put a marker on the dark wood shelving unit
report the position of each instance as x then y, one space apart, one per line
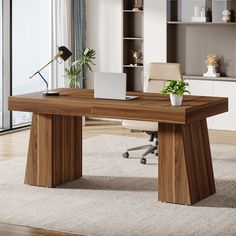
132 41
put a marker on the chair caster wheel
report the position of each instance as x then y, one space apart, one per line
125 155
143 161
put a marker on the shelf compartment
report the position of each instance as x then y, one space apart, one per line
184 10
189 46
128 45
133 26
134 79
128 5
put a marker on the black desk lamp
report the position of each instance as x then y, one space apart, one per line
63 53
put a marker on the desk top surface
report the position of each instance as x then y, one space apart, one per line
149 106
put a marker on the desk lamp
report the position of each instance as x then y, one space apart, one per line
64 53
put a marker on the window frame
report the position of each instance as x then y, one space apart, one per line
7 74
7 64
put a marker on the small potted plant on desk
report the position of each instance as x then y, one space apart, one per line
176 89
76 69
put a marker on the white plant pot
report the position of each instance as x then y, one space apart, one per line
176 100
211 72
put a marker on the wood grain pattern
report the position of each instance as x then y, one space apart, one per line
149 106
185 170
31 166
71 102
19 230
55 150
44 150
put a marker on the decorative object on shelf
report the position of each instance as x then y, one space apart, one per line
226 16
203 12
212 63
176 89
199 15
132 65
137 56
196 11
138 5
223 8
85 61
64 53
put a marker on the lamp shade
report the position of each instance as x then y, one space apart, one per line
66 52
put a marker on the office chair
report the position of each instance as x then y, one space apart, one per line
159 74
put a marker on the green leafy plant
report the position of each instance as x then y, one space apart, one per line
71 73
86 58
175 87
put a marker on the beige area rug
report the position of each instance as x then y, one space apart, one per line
118 196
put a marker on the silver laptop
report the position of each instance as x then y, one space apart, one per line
110 86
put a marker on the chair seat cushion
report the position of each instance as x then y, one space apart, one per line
140 125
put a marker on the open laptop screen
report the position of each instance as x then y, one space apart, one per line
110 85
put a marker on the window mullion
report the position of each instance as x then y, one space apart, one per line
6 69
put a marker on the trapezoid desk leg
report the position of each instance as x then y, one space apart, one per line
55 150
185 173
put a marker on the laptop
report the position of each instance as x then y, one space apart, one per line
111 86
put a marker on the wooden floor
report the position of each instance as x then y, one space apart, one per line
16 230
15 145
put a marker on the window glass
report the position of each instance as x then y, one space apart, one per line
31 49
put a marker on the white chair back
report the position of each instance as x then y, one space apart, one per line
160 73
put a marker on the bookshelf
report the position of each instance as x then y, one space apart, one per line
133 42
188 43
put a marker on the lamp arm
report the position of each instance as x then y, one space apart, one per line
64 53
54 58
37 72
43 79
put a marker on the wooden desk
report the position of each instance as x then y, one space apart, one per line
185 173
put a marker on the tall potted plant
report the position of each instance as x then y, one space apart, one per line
176 89
85 61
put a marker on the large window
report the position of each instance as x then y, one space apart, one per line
31 49
25 45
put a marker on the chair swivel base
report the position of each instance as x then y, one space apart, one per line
151 149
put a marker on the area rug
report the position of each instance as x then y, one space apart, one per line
118 196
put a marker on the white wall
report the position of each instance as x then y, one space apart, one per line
155 34
104 32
